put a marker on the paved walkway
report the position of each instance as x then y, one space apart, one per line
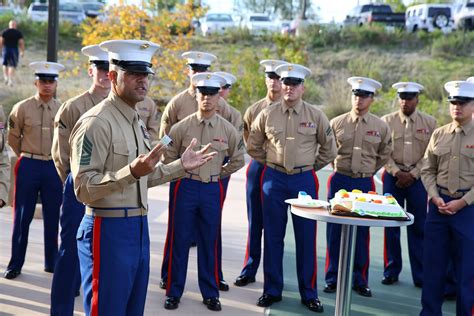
29 293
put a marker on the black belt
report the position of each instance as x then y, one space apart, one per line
456 195
116 212
296 170
355 175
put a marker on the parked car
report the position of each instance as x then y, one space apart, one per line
258 23
38 12
93 9
429 17
216 23
68 11
464 16
374 13
72 12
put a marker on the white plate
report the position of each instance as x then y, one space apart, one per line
307 203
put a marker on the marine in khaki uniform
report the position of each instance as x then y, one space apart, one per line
67 278
253 251
448 176
4 162
184 103
198 198
113 165
30 135
179 107
294 140
411 132
363 147
149 114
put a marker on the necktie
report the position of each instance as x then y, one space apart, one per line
453 166
289 152
46 137
205 170
408 143
142 183
356 161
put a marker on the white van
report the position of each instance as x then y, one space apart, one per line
429 17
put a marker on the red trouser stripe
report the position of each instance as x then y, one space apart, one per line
261 184
247 248
315 271
95 266
170 207
171 220
216 257
15 173
327 244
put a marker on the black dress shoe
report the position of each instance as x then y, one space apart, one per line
162 284
267 300
243 280
171 302
78 293
213 304
362 290
330 288
313 305
223 286
49 270
418 284
389 280
11 274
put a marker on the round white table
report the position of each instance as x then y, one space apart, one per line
347 248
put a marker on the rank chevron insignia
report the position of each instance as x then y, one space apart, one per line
86 151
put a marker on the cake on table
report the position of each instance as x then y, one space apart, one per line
369 205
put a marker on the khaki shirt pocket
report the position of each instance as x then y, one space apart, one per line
443 154
121 155
275 136
32 125
372 139
425 138
220 146
466 164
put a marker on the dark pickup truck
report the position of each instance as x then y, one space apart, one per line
374 13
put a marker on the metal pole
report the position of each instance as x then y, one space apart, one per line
344 275
53 30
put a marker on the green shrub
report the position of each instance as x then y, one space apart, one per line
453 45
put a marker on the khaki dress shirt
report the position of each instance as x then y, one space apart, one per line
224 140
438 154
185 104
376 142
148 111
423 126
314 139
104 142
67 116
252 112
26 131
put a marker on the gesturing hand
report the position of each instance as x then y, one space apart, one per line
194 159
145 164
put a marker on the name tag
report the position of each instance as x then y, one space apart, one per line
470 146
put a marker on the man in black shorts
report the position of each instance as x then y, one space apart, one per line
10 41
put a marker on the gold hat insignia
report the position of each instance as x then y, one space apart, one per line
46 66
273 63
199 55
209 76
360 80
457 84
405 85
144 46
290 68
